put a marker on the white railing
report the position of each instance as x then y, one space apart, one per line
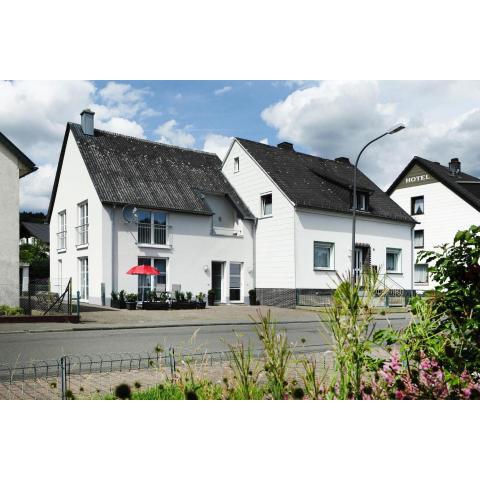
62 240
82 234
154 235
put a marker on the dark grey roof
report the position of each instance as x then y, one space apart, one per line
470 192
38 230
28 164
132 171
314 182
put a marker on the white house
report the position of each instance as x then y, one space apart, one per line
303 235
189 222
442 200
14 165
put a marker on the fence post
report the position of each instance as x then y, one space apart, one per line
64 376
70 296
78 306
171 355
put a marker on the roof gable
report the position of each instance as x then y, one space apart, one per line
28 165
318 183
464 185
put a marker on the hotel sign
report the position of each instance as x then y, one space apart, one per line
416 176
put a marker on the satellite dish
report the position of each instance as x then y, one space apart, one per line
130 214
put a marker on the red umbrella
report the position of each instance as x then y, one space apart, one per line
143 270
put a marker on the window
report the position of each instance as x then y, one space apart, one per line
418 238
152 227
421 273
323 256
362 201
235 281
393 260
417 206
83 271
62 231
147 283
266 201
82 229
236 164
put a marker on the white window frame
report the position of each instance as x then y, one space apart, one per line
423 239
153 278
83 287
82 225
398 252
62 231
263 204
236 164
415 274
152 229
241 282
412 203
331 247
362 205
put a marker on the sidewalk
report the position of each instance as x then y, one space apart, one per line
98 318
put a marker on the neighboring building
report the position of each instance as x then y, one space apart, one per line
442 200
31 232
14 165
303 237
192 225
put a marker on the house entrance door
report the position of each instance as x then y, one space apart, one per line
358 263
217 280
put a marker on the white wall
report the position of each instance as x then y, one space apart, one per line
275 258
193 247
9 228
74 187
311 226
445 214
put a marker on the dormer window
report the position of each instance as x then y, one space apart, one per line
362 201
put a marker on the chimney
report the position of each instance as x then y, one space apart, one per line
454 167
286 146
87 121
344 160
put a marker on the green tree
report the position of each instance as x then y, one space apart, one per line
456 269
36 255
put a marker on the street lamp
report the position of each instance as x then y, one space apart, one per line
393 130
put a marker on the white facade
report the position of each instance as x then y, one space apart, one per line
445 213
193 243
11 169
284 241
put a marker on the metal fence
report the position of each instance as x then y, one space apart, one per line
96 376
47 296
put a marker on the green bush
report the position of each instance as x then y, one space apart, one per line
6 310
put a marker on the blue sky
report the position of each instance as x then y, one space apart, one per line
326 118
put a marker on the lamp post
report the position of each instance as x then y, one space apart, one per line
393 130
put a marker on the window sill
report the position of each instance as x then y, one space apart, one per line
318 269
421 284
394 273
61 250
266 216
227 232
83 246
419 247
152 245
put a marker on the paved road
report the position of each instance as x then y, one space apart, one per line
23 348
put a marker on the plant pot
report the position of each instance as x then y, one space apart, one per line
201 305
131 305
252 295
155 306
211 299
117 304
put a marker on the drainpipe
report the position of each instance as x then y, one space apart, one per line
412 264
255 222
113 249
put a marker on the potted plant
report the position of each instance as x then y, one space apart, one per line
131 301
121 299
114 299
252 295
201 300
189 296
211 298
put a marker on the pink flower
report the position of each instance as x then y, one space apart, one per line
399 395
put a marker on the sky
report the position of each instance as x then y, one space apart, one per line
325 118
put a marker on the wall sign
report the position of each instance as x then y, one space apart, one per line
416 176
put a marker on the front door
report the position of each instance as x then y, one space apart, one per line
358 262
217 280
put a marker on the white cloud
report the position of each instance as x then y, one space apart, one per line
35 188
264 141
334 118
122 125
218 144
169 133
221 91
